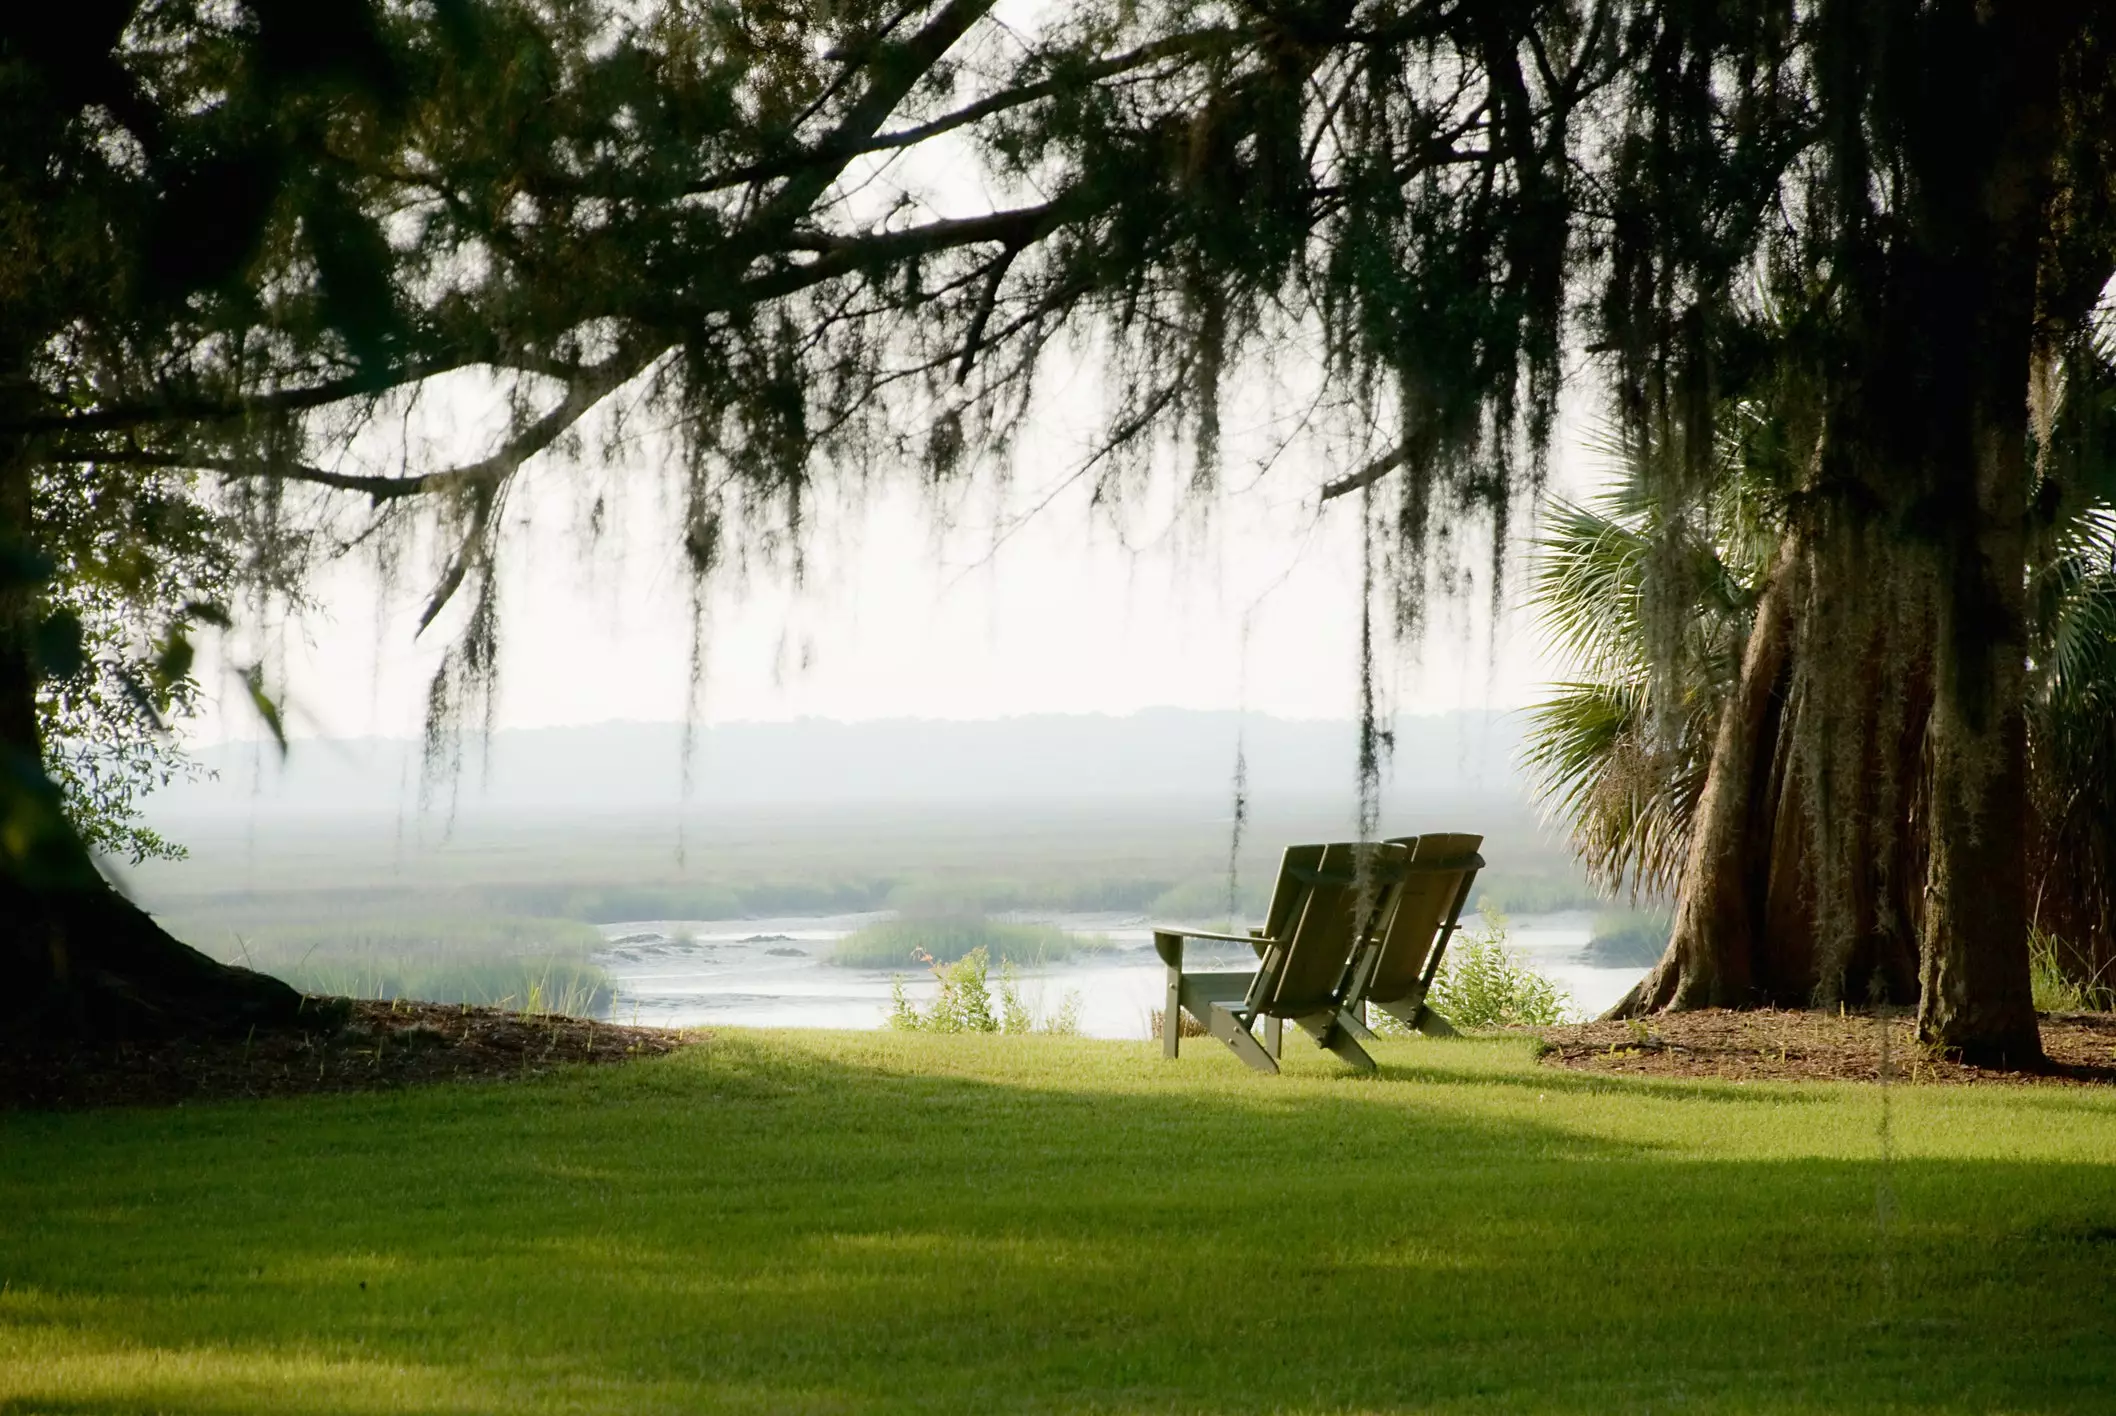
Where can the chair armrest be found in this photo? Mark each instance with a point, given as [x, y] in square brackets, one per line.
[1215, 934]
[1168, 942]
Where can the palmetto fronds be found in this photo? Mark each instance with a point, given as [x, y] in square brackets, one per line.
[2072, 675]
[1650, 602]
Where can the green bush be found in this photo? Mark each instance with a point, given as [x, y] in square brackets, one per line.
[948, 938]
[964, 1003]
[1486, 985]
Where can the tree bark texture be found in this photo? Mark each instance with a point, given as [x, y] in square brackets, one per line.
[1986, 178]
[80, 961]
[1800, 886]
[1868, 786]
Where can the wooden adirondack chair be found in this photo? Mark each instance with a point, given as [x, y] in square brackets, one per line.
[1325, 907]
[1396, 973]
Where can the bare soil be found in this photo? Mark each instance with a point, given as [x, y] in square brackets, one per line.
[1815, 1046]
[357, 1045]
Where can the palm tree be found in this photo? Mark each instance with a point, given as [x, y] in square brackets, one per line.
[1651, 603]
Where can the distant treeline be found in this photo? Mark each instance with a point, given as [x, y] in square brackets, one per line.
[1195, 899]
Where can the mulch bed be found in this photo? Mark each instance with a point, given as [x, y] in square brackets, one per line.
[1774, 1046]
[377, 1046]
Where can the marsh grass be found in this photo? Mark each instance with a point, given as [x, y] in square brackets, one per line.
[561, 986]
[894, 943]
[1629, 938]
[523, 965]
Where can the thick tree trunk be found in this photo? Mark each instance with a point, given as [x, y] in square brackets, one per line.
[1710, 958]
[1896, 805]
[79, 960]
[1987, 180]
[1800, 885]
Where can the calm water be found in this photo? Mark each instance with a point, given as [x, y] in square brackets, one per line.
[776, 972]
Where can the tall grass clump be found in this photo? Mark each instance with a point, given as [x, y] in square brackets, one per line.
[948, 938]
[538, 986]
[2055, 982]
[965, 1003]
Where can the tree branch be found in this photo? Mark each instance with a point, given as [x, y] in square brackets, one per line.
[767, 169]
[122, 416]
[1368, 475]
[381, 489]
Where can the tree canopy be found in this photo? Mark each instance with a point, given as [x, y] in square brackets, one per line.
[241, 234]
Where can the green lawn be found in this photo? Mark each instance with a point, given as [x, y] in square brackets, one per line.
[852, 1222]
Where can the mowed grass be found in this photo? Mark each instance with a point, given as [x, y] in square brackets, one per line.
[861, 1222]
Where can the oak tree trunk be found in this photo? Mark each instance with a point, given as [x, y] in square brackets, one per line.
[1802, 877]
[1869, 780]
[1987, 178]
[77, 959]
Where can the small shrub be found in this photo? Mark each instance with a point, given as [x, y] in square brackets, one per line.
[1015, 1016]
[1486, 985]
[964, 1003]
[1066, 1021]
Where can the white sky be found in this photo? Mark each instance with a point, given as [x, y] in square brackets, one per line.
[1071, 612]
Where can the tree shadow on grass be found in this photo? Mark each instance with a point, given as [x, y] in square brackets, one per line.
[1550, 1079]
[776, 1225]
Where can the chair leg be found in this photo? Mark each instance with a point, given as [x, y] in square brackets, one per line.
[1419, 1018]
[1354, 1024]
[1172, 1015]
[1228, 1029]
[1332, 1037]
[1433, 1025]
[1275, 1037]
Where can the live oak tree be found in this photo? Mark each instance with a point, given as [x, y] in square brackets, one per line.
[238, 234]
[1627, 783]
[1937, 235]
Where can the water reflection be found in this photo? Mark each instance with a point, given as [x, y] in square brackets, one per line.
[776, 972]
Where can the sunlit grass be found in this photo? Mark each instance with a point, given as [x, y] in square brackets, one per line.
[854, 1222]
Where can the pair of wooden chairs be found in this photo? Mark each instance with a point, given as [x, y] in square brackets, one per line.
[1351, 926]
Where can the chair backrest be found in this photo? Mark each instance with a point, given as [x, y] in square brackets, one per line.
[1428, 905]
[1328, 901]
[1291, 891]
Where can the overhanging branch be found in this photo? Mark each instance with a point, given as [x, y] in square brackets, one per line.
[1368, 475]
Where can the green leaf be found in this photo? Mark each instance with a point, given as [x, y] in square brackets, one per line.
[173, 664]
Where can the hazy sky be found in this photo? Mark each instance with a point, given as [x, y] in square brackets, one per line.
[1255, 605]
[1249, 600]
